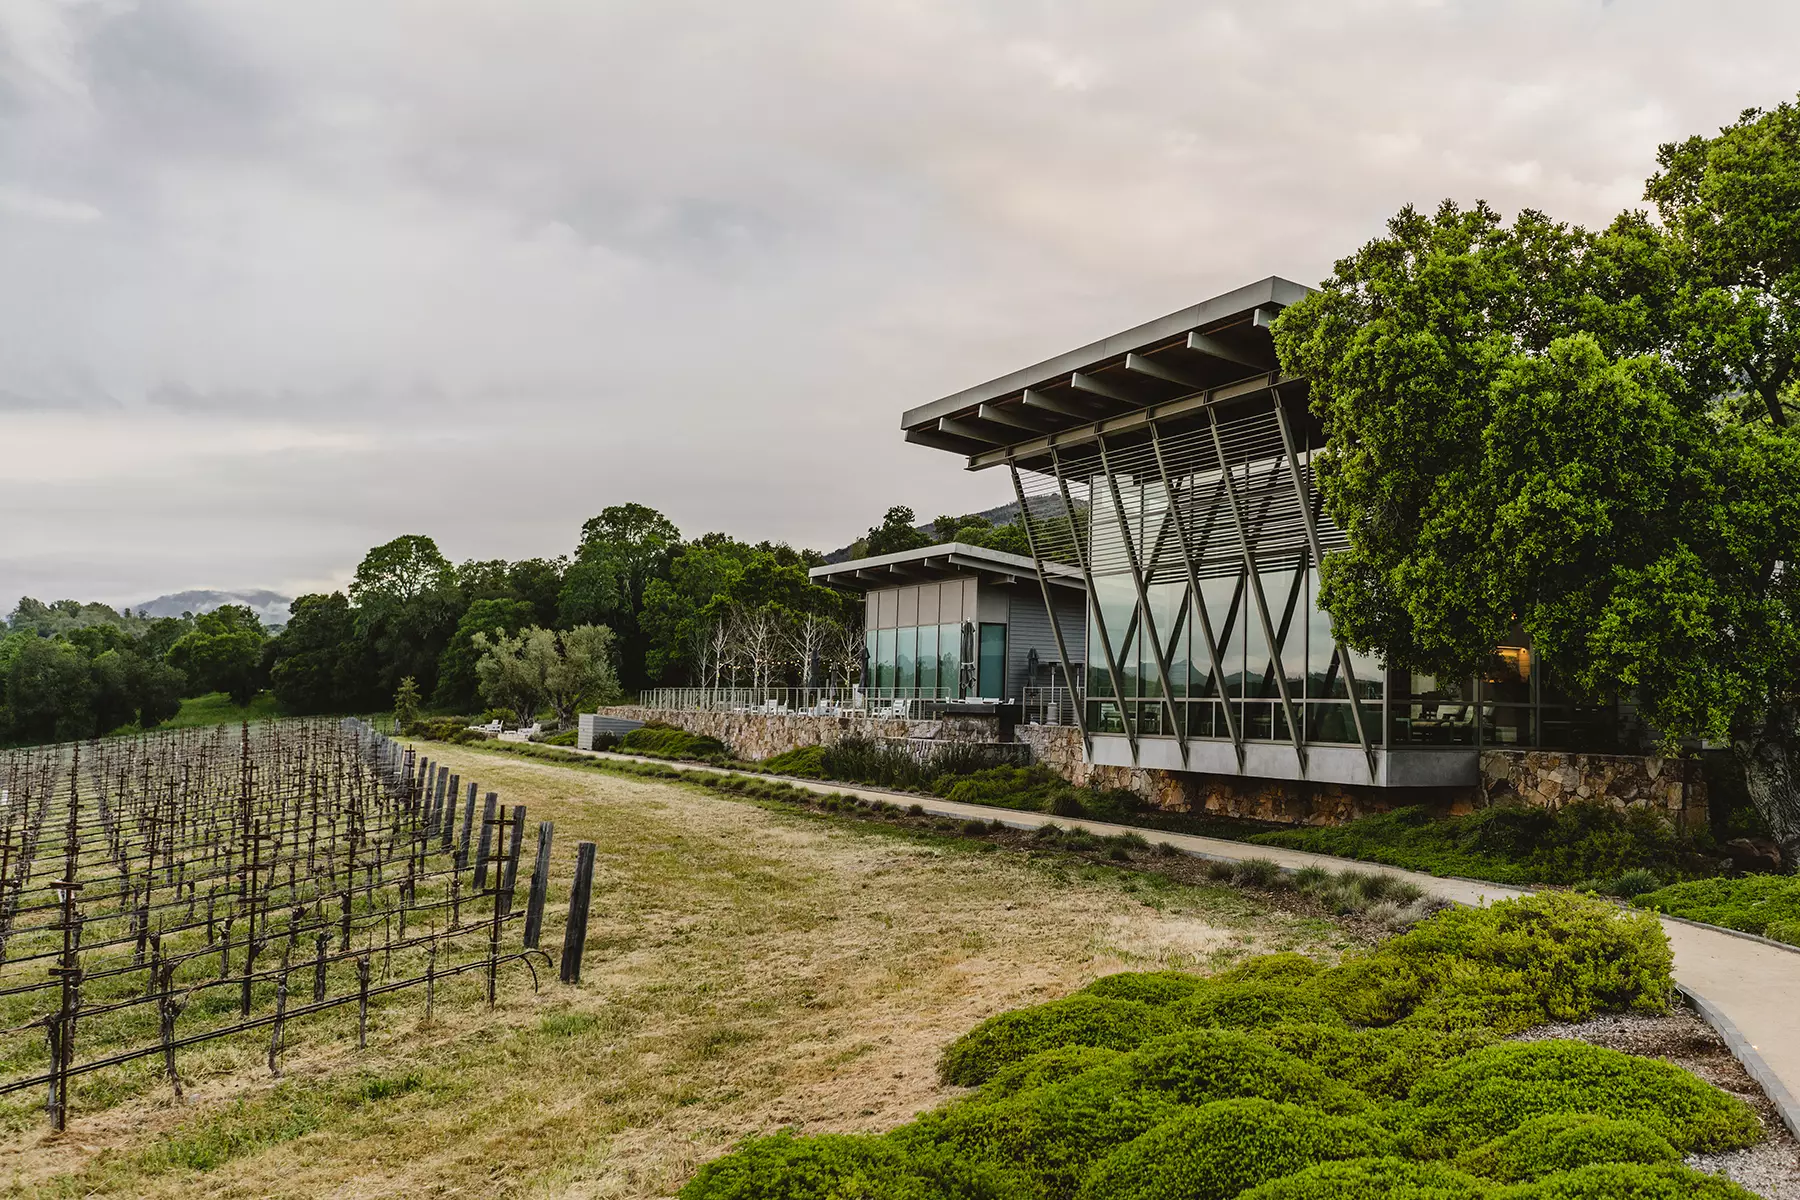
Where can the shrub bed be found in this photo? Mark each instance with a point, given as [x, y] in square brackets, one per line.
[1508, 843]
[665, 741]
[1764, 904]
[1382, 1077]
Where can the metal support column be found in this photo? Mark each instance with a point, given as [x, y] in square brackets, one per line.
[1062, 648]
[1304, 495]
[1256, 592]
[1193, 576]
[1087, 574]
[1145, 623]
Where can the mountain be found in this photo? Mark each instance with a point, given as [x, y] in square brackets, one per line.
[1042, 508]
[270, 607]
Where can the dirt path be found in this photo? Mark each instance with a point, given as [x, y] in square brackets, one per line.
[747, 970]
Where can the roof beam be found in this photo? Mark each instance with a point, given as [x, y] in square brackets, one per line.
[1017, 418]
[1099, 387]
[1212, 347]
[1057, 404]
[1080, 434]
[973, 430]
[1155, 370]
[944, 441]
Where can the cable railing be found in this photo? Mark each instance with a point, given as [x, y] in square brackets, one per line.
[1052, 705]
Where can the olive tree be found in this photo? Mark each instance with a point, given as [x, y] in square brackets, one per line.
[1587, 434]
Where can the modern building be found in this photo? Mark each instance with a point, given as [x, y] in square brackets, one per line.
[955, 622]
[1169, 469]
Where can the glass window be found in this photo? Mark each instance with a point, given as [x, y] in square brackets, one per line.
[950, 659]
[871, 656]
[990, 681]
[1439, 711]
[906, 659]
[928, 660]
[1117, 603]
[1169, 615]
[1224, 604]
[884, 659]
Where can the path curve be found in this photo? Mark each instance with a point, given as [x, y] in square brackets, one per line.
[1748, 989]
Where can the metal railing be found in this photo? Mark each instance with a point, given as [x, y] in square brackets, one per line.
[1042, 705]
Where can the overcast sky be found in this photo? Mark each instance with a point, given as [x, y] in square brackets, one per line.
[282, 280]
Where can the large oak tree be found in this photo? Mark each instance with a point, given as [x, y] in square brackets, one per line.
[1587, 434]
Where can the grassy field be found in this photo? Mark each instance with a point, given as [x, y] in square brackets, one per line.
[749, 968]
[216, 708]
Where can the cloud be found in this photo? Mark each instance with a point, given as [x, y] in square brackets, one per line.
[503, 265]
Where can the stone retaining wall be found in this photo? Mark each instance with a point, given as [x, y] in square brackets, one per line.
[1548, 778]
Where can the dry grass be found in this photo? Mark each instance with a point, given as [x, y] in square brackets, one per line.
[749, 967]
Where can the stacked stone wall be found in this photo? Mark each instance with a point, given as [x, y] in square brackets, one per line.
[1547, 778]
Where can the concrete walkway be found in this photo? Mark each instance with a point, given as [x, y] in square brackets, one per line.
[1747, 988]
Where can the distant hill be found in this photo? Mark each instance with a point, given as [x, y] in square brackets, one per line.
[1042, 508]
[270, 607]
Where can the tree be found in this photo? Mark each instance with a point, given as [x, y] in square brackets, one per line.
[538, 666]
[401, 571]
[1536, 424]
[406, 704]
[223, 653]
[622, 550]
[582, 673]
[895, 533]
[977, 530]
[318, 665]
[511, 671]
[458, 686]
[50, 691]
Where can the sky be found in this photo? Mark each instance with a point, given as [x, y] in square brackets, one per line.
[280, 281]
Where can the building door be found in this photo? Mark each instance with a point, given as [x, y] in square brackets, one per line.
[990, 678]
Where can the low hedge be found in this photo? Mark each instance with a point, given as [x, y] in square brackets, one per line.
[1508, 843]
[665, 741]
[846, 1167]
[1493, 1091]
[1562, 1142]
[1078, 1020]
[1216, 1151]
[1397, 1084]
[1763, 904]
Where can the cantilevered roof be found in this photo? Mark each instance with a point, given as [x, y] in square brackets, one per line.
[1211, 352]
[930, 563]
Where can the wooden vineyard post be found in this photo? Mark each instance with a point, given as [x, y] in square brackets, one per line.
[462, 850]
[281, 990]
[509, 878]
[168, 1009]
[540, 886]
[362, 1002]
[430, 977]
[575, 931]
[487, 839]
[68, 972]
[319, 967]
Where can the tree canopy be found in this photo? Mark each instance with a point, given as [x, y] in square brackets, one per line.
[1583, 434]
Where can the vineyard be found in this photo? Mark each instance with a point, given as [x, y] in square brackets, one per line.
[167, 891]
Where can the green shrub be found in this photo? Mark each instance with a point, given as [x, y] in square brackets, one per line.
[1636, 882]
[1044, 1068]
[663, 741]
[1215, 1152]
[808, 762]
[1563, 1141]
[1375, 1179]
[1198, 1066]
[1631, 1181]
[1752, 903]
[840, 1167]
[1783, 931]
[1287, 967]
[1494, 1091]
[1508, 843]
[1147, 987]
[1382, 1063]
[564, 737]
[1256, 872]
[1255, 1005]
[1509, 966]
[1078, 1020]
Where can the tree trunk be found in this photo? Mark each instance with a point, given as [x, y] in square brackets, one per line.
[1770, 757]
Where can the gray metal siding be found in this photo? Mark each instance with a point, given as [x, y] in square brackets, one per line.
[1029, 629]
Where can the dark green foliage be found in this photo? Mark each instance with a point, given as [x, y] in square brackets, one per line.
[1147, 987]
[318, 664]
[1563, 1141]
[664, 741]
[1495, 1090]
[223, 653]
[1288, 967]
[1216, 1151]
[1765, 904]
[1508, 843]
[1376, 1179]
[1077, 1020]
[1201, 1065]
[1044, 1068]
[1383, 1063]
[804, 761]
[1038, 789]
[458, 686]
[1256, 1005]
[895, 533]
[1632, 1181]
[839, 1167]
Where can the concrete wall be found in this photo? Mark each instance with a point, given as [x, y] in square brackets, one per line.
[1549, 778]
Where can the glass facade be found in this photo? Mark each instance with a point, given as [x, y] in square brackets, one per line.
[1514, 702]
[915, 640]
